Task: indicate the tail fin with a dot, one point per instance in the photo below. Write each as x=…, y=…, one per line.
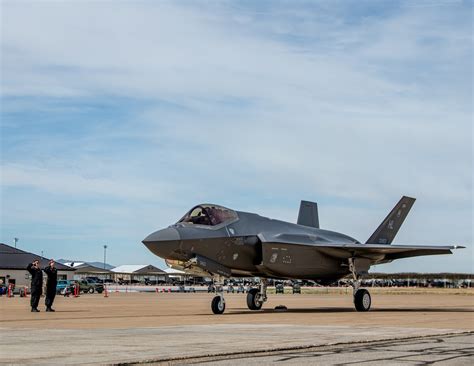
x=308, y=215
x=389, y=227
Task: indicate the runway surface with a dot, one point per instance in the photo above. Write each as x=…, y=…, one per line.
x=148, y=327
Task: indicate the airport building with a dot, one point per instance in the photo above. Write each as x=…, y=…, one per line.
x=139, y=273
x=13, y=263
x=84, y=269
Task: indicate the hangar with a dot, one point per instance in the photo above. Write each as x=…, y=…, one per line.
x=139, y=272
x=13, y=263
x=84, y=269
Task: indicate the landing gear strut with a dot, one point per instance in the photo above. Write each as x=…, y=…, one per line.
x=257, y=296
x=218, y=302
x=362, y=299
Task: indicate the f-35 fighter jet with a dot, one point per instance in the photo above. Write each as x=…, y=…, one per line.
x=212, y=240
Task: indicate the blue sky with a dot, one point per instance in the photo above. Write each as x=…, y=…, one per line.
x=116, y=118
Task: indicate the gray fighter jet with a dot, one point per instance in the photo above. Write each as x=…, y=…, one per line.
x=212, y=240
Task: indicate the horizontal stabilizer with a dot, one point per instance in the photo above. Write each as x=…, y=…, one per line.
x=308, y=215
x=389, y=227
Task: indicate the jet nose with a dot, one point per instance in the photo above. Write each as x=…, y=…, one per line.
x=165, y=235
x=164, y=242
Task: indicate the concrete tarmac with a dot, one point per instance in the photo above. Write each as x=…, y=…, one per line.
x=148, y=327
x=435, y=350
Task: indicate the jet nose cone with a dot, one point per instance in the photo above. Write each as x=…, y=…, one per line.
x=168, y=234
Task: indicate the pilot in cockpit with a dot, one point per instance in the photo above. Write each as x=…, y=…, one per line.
x=200, y=219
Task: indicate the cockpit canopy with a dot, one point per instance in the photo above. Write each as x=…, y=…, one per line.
x=208, y=214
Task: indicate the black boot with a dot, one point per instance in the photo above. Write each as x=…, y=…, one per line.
x=35, y=310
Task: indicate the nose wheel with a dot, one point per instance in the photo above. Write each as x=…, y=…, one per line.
x=218, y=302
x=218, y=305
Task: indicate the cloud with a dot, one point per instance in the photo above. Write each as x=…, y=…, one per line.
x=63, y=183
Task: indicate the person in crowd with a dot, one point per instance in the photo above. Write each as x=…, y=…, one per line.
x=36, y=284
x=52, y=273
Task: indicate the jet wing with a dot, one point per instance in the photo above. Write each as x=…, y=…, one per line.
x=377, y=252
x=389, y=252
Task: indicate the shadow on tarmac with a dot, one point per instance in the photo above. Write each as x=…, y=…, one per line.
x=350, y=310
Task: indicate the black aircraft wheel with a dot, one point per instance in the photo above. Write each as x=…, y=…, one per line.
x=253, y=299
x=362, y=300
x=217, y=305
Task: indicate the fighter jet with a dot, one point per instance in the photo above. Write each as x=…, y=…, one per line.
x=212, y=240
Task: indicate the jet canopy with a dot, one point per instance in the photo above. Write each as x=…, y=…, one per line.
x=208, y=214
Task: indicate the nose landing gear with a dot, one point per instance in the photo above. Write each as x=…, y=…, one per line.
x=218, y=302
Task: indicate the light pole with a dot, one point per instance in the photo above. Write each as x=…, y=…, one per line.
x=16, y=241
x=105, y=254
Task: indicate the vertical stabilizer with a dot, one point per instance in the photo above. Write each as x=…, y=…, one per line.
x=308, y=215
x=389, y=227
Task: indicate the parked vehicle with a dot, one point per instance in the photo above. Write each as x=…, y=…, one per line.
x=94, y=279
x=62, y=285
x=230, y=288
x=87, y=287
x=296, y=288
x=241, y=289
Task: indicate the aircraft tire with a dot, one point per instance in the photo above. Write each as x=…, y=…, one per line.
x=362, y=300
x=217, y=305
x=252, y=299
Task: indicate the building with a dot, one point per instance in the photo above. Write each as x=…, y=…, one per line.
x=138, y=272
x=13, y=263
x=84, y=269
x=176, y=273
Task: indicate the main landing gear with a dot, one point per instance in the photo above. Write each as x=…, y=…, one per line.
x=257, y=296
x=362, y=299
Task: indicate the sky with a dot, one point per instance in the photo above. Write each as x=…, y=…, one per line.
x=118, y=117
